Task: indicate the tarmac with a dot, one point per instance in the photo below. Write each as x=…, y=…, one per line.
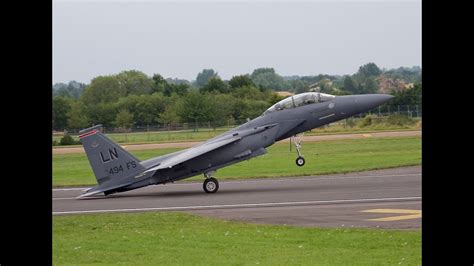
x=389, y=198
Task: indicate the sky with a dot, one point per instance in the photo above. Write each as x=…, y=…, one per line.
x=180, y=39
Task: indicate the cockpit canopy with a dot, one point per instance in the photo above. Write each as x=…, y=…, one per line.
x=300, y=100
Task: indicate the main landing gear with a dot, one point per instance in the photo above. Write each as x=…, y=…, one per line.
x=210, y=185
x=296, y=139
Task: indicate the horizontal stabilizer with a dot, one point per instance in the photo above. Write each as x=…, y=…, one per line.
x=104, y=187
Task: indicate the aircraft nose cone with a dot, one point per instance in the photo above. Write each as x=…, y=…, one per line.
x=370, y=101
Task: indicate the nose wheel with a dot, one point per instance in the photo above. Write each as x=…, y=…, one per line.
x=210, y=185
x=296, y=139
x=300, y=161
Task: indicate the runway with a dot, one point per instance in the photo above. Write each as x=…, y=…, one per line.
x=389, y=198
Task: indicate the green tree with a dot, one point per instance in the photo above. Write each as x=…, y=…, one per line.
x=222, y=107
x=369, y=70
x=167, y=88
x=77, y=117
x=159, y=83
x=204, y=76
x=371, y=86
x=135, y=82
x=267, y=79
x=170, y=114
x=103, y=89
x=240, y=81
x=72, y=90
x=180, y=89
x=124, y=119
x=350, y=85
x=61, y=107
x=298, y=85
x=253, y=109
x=249, y=92
x=411, y=96
x=195, y=107
x=263, y=70
x=144, y=108
x=102, y=113
x=274, y=98
x=215, y=84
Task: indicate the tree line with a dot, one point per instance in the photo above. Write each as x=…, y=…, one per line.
x=132, y=98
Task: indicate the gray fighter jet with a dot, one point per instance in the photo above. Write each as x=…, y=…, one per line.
x=117, y=170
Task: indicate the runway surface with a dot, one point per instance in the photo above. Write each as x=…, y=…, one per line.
x=389, y=198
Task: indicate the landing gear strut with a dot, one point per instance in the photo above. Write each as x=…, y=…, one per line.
x=210, y=185
x=296, y=139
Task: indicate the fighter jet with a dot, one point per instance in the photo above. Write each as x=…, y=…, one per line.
x=116, y=170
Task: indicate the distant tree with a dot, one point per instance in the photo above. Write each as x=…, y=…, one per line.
x=135, y=82
x=215, y=84
x=369, y=70
x=103, y=89
x=204, y=76
x=222, y=108
x=409, y=75
x=350, y=85
x=274, y=98
x=124, y=119
x=77, y=117
x=298, y=85
x=240, y=81
x=59, y=85
x=267, y=79
x=249, y=92
x=144, y=108
x=61, y=107
x=180, y=89
x=71, y=90
x=170, y=115
x=159, y=83
x=371, y=86
x=262, y=70
x=167, y=88
x=194, y=107
x=102, y=113
x=411, y=96
x=254, y=109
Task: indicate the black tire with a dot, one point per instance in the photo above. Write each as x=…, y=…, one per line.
x=300, y=161
x=210, y=185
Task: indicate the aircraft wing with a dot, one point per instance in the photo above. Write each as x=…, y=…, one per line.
x=193, y=153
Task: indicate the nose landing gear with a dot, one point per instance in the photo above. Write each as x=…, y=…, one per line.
x=296, y=139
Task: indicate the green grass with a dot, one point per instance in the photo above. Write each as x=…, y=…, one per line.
x=158, y=238
x=323, y=157
x=205, y=133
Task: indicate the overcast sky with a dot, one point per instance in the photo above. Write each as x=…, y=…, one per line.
x=180, y=39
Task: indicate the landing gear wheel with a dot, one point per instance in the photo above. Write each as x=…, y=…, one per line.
x=210, y=185
x=300, y=161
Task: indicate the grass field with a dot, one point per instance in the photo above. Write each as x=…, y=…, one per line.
x=158, y=238
x=323, y=157
x=204, y=134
